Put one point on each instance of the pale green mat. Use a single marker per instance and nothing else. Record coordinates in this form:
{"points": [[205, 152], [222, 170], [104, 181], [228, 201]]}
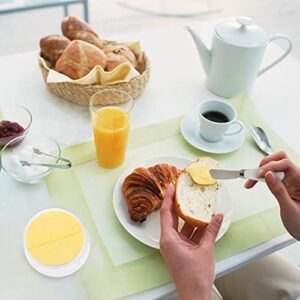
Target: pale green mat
{"points": [[119, 265]]}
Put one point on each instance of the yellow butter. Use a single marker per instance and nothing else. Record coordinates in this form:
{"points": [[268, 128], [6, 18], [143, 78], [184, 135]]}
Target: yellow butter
{"points": [[55, 238], [201, 175]]}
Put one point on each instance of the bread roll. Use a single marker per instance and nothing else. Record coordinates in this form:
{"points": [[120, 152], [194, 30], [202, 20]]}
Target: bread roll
{"points": [[118, 54], [52, 47], [88, 37], [71, 24], [195, 203], [79, 58]]}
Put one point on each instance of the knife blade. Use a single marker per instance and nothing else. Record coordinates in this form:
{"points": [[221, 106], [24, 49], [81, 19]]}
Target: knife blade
{"points": [[243, 173]]}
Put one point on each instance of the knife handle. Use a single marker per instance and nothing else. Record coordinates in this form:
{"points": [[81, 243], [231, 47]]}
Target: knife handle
{"points": [[251, 174]]}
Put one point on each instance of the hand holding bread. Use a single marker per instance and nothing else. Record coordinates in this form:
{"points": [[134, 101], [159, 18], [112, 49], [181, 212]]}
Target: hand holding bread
{"points": [[189, 254]]}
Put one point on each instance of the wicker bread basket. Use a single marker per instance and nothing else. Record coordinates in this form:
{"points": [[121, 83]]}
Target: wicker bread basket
{"points": [[81, 94]]}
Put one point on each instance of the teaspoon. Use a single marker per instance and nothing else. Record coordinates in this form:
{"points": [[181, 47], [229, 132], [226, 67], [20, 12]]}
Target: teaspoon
{"points": [[261, 139]]}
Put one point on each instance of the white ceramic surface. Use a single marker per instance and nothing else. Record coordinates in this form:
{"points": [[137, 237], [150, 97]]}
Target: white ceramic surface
{"points": [[148, 232], [234, 61], [214, 131], [190, 130], [241, 32]]}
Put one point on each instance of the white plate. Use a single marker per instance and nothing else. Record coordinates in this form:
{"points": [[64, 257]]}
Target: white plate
{"points": [[148, 232], [190, 131]]}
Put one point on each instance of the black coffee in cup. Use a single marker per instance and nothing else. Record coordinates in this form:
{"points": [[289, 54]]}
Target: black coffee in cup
{"points": [[215, 116]]}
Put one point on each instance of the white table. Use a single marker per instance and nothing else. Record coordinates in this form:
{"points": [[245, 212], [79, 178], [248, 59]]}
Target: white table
{"points": [[176, 87]]}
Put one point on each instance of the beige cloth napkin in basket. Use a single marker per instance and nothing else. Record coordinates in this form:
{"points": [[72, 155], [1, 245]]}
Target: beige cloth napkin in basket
{"points": [[122, 73]]}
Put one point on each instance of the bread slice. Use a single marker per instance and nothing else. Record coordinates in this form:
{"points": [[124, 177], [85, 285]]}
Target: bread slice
{"points": [[195, 203]]}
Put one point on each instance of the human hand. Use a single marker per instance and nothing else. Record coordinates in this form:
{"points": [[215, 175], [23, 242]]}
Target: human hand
{"points": [[189, 254], [287, 191]]}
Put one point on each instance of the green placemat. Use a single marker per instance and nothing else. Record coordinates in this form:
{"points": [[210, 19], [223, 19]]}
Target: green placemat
{"points": [[124, 266]]}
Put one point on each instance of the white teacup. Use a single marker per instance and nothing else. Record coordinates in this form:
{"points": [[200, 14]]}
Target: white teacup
{"points": [[217, 119]]}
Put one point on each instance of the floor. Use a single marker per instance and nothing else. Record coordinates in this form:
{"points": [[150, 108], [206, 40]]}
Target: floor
{"points": [[22, 31]]}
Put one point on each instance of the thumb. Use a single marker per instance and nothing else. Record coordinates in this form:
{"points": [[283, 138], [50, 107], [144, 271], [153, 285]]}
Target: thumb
{"points": [[168, 218], [212, 230], [278, 189]]}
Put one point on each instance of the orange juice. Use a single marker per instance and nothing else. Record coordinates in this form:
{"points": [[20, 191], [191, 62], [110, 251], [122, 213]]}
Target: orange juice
{"points": [[111, 128]]}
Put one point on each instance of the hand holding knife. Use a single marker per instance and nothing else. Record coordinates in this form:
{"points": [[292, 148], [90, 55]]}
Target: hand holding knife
{"points": [[243, 173], [262, 141]]}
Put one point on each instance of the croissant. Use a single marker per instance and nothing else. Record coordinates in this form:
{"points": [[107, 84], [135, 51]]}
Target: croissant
{"points": [[144, 189]]}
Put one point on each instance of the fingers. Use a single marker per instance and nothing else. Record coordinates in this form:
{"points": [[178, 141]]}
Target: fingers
{"points": [[273, 157], [281, 155], [275, 166], [250, 184], [278, 190], [211, 231], [168, 217]]}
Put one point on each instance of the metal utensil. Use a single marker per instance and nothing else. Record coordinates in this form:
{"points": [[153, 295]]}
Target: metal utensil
{"points": [[244, 173], [25, 163], [261, 139], [39, 152], [67, 165]]}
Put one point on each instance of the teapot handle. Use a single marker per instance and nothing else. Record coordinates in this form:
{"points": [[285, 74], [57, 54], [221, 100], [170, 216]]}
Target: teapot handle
{"points": [[287, 51]]}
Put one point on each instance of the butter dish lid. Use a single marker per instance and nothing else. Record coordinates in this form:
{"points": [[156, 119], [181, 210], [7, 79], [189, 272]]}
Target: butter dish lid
{"points": [[43, 231], [241, 32]]}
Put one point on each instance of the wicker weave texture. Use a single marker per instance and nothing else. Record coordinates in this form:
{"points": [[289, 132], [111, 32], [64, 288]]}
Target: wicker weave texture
{"points": [[81, 94]]}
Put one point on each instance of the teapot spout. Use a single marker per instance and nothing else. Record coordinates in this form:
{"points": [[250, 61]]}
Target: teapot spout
{"points": [[204, 53]]}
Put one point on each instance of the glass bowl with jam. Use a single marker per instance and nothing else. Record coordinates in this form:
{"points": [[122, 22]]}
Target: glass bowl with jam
{"points": [[15, 121]]}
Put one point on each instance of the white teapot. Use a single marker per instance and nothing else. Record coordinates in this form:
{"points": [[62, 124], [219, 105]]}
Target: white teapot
{"points": [[233, 63]]}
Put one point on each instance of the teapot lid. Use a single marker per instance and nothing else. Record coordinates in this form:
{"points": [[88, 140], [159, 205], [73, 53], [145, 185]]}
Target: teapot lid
{"points": [[241, 32]]}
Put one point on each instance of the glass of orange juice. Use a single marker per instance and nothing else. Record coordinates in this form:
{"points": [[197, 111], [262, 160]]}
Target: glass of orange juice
{"points": [[111, 124]]}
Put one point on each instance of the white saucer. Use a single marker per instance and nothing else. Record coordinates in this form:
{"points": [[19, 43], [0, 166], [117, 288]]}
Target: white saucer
{"points": [[190, 130], [61, 270]]}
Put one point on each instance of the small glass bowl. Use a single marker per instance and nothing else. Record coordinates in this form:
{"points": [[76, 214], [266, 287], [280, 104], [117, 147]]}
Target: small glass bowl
{"points": [[23, 150], [15, 113]]}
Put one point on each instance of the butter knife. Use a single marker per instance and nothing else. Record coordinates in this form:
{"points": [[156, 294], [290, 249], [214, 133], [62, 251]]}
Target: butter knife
{"points": [[244, 174]]}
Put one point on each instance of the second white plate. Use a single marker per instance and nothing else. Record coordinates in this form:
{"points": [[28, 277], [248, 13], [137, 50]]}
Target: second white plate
{"points": [[148, 232]]}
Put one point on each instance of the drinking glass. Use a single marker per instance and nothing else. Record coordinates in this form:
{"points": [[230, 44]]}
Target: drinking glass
{"points": [[111, 123]]}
